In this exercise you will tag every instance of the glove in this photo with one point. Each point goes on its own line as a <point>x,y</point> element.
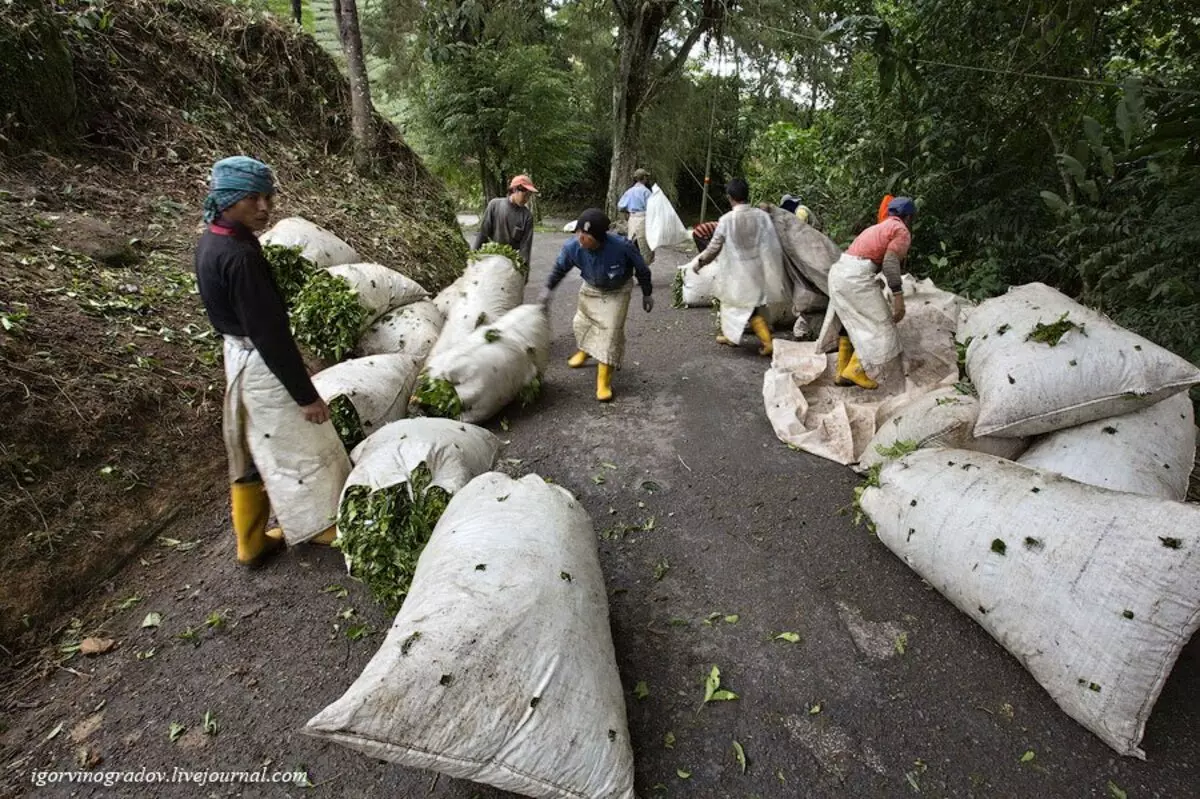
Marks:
<point>694,265</point>
<point>543,297</point>
<point>897,307</point>
<point>647,303</point>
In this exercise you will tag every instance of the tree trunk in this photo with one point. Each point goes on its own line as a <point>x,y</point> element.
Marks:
<point>362,124</point>
<point>298,11</point>
<point>640,28</point>
<point>488,178</point>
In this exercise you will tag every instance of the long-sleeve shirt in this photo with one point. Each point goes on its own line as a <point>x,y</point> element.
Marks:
<point>634,199</point>
<point>505,222</point>
<point>886,245</point>
<point>607,268</point>
<point>241,299</point>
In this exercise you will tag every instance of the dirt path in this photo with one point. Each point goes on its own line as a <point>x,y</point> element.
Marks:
<point>890,691</point>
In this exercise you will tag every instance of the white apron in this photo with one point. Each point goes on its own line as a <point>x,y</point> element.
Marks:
<point>752,275</point>
<point>637,234</point>
<point>303,465</point>
<point>600,322</point>
<point>857,302</point>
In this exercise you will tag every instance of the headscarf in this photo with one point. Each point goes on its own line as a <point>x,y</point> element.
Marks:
<point>234,179</point>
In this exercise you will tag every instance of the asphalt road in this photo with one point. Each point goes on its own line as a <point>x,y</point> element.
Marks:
<point>889,692</point>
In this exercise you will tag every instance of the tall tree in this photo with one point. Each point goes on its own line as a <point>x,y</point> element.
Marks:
<point>298,11</point>
<point>361,110</point>
<point>642,31</point>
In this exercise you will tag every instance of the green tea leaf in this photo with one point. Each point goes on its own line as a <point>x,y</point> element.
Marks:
<point>641,690</point>
<point>739,754</point>
<point>791,638</point>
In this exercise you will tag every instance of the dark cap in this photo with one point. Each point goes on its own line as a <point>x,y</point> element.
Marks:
<point>593,222</point>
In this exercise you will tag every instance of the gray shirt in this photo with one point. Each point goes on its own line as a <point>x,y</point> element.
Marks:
<point>505,222</point>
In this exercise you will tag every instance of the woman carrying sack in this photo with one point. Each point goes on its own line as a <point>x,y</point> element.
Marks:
<point>283,452</point>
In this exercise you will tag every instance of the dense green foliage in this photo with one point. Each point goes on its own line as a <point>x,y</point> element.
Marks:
<point>383,532</point>
<point>346,422</point>
<point>327,317</point>
<point>495,248</point>
<point>436,396</point>
<point>290,270</point>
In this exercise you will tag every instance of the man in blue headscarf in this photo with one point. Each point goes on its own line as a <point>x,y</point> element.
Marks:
<point>282,450</point>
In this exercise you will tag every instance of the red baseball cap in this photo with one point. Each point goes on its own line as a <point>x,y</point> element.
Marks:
<point>522,182</point>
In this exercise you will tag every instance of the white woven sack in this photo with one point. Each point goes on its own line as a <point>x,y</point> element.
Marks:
<point>411,330</point>
<point>316,243</point>
<point>942,418</point>
<point>454,452</point>
<point>378,386</point>
<point>378,288</point>
<point>490,287</point>
<point>1029,387</point>
<point>446,297</point>
<point>491,366</point>
<point>699,290</point>
<point>663,227</point>
<point>1147,452</point>
<point>499,667</point>
<point>1094,591</point>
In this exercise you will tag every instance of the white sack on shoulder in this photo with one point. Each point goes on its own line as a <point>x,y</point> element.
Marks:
<point>1094,591</point>
<point>411,330</point>
<point>490,287</point>
<point>499,667</point>
<point>378,386</point>
<point>942,418</point>
<point>315,242</point>
<point>378,288</point>
<point>1147,452</point>
<point>1097,369</point>
<point>491,366</point>
<point>663,226</point>
<point>808,253</point>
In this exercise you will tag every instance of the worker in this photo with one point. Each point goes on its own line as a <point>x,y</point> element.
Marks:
<point>795,206</point>
<point>607,263</point>
<point>508,220</point>
<point>868,343</point>
<point>283,451</point>
<point>633,203</point>
<point>753,277</point>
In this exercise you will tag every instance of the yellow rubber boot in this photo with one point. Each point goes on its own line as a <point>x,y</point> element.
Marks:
<point>251,509</point>
<point>604,383</point>
<point>326,538</point>
<point>855,373</point>
<point>577,360</point>
<point>760,328</point>
<point>845,350</point>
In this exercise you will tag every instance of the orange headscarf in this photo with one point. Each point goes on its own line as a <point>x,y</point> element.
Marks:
<point>882,215</point>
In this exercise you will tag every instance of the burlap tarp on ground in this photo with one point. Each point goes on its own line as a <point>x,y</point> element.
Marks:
<point>809,412</point>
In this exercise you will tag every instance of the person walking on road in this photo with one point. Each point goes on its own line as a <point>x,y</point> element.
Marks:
<point>633,202</point>
<point>508,220</point>
<point>868,343</point>
<point>283,451</point>
<point>752,281</point>
<point>607,263</point>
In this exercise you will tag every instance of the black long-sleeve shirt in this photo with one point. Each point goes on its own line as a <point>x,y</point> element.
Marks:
<point>505,222</point>
<point>241,299</point>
